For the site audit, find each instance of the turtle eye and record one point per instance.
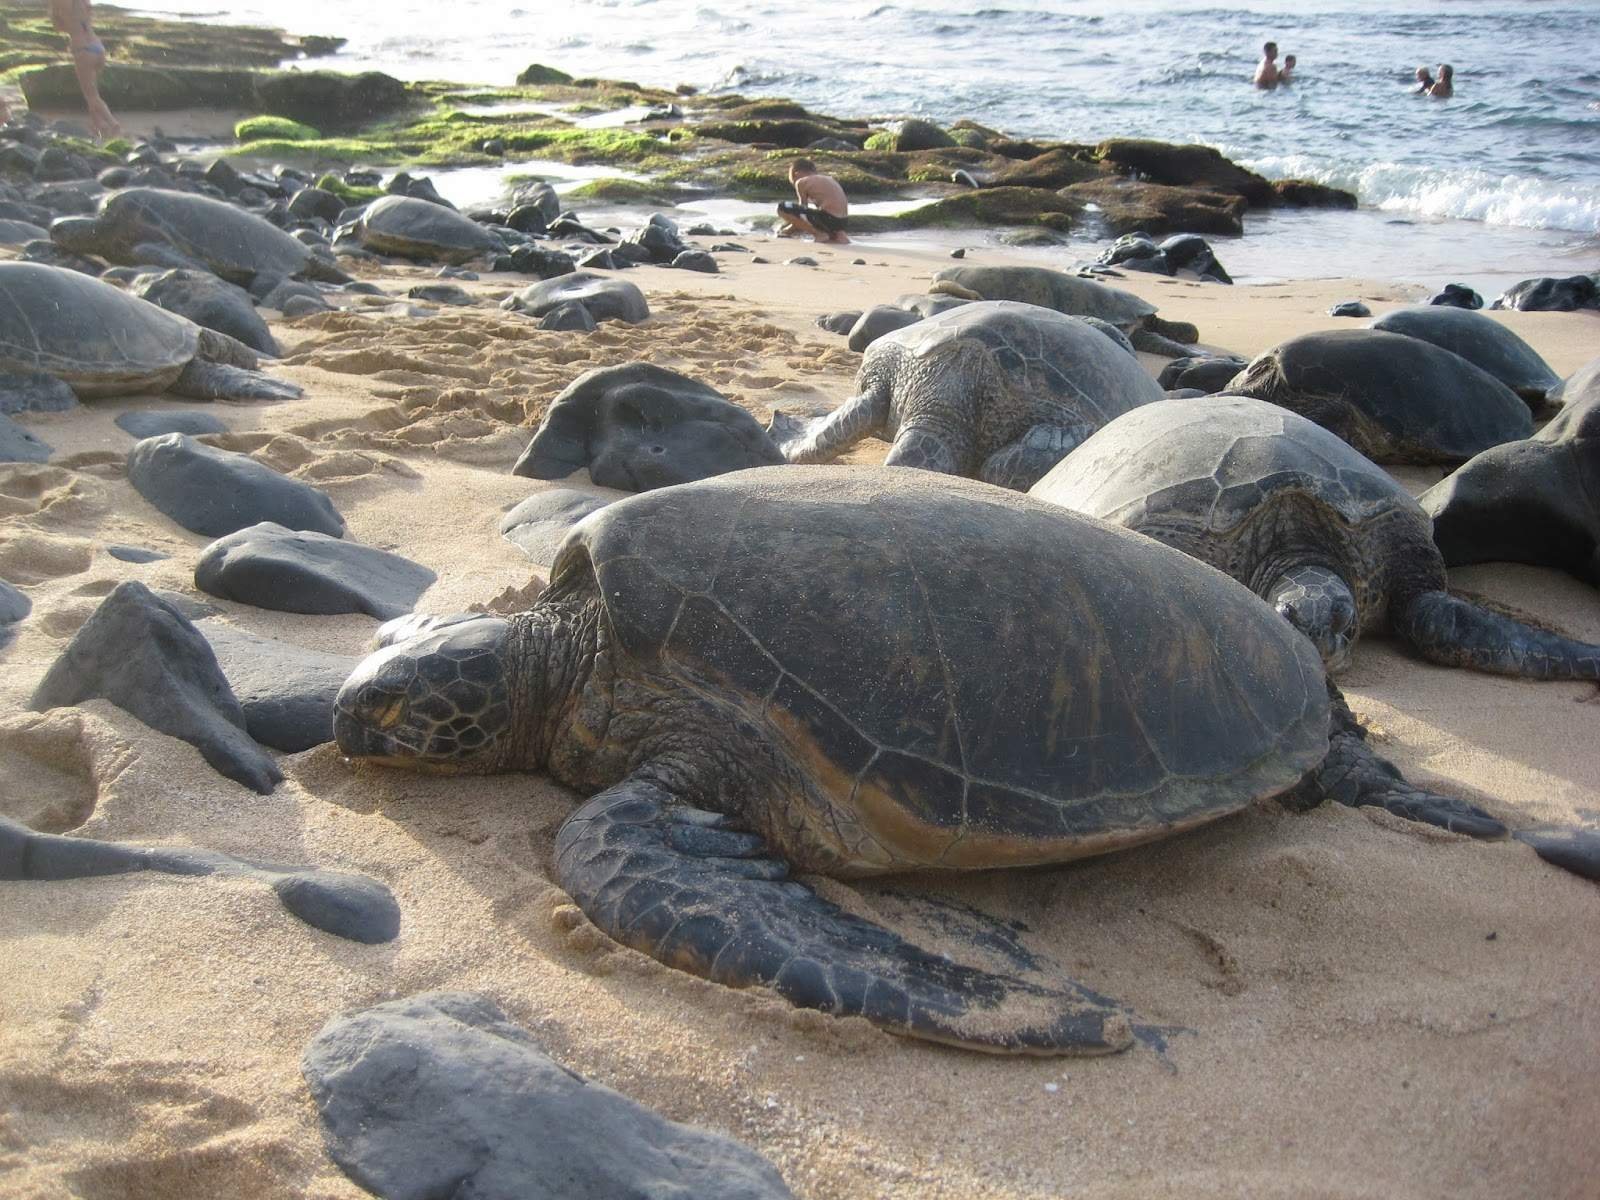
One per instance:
(387, 715)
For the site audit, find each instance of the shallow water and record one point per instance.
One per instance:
(1517, 149)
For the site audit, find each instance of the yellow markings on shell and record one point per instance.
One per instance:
(389, 715)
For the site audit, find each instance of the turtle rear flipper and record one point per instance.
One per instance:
(1449, 630)
(1354, 775)
(215, 381)
(682, 886)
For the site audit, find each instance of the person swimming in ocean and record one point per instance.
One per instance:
(1267, 68)
(1287, 74)
(1443, 88)
(88, 60)
(819, 207)
(1424, 82)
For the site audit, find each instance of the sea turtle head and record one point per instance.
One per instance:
(441, 697)
(1318, 603)
(81, 235)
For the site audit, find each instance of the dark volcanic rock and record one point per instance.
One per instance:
(1456, 295)
(1127, 205)
(1350, 308)
(839, 322)
(1206, 374)
(213, 492)
(290, 570)
(606, 299)
(538, 525)
(639, 426)
(15, 605)
(1184, 166)
(135, 554)
(1302, 193)
(18, 445)
(154, 424)
(338, 902)
(34, 392)
(143, 655)
(1552, 295)
(695, 260)
(570, 317)
(314, 202)
(329, 100)
(208, 301)
(441, 1095)
(127, 87)
(16, 233)
(286, 691)
(877, 321)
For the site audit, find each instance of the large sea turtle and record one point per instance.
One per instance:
(1534, 501)
(855, 671)
(993, 390)
(1304, 521)
(156, 227)
(419, 229)
(1396, 399)
(1078, 297)
(103, 342)
(1481, 340)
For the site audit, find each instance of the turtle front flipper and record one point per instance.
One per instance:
(682, 886)
(1455, 633)
(214, 381)
(827, 437)
(1354, 775)
(1024, 462)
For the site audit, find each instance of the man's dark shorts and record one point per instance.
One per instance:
(820, 219)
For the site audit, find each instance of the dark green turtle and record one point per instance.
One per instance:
(1077, 297)
(420, 229)
(100, 341)
(1482, 341)
(991, 390)
(854, 671)
(1534, 501)
(152, 226)
(1300, 518)
(1397, 399)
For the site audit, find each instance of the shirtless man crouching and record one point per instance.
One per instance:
(819, 207)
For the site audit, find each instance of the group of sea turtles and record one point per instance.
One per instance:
(853, 671)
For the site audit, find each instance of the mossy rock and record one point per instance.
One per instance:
(969, 137)
(1127, 205)
(936, 166)
(988, 206)
(328, 99)
(1183, 166)
(536, 74)
(621, 191)
(1303, 193)
(255, 129)
(1057, 168)
(753, 175)
(128, 88)
(347, 192)
(790, 134)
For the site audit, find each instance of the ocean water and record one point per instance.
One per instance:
(1517, 149)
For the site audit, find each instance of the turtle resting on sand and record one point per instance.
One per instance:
(1304, 521)
(1078, 297)
(1482, 341)
(154, 227)
(992, 390)
(1534, 501)
(1396, 399)
(855, 671)
(425, 231)
(100, 341)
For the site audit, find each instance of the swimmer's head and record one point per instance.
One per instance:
(1445, 71)
(1423, 75)
(1288, 60)
(1270, 50)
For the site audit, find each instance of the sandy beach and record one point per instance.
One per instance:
(1357, 1006)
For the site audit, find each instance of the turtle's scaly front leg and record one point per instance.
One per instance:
(682, 886)
(828, 437)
